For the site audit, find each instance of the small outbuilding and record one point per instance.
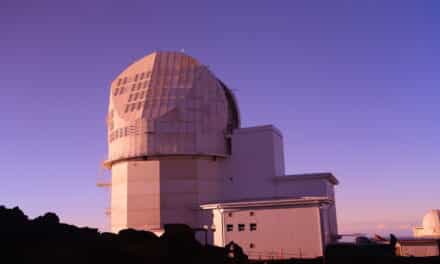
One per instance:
(417, 247)
(430, 225)
(275, 228)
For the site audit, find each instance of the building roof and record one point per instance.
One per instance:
(261, 128)
(274, 202)
(309, 176)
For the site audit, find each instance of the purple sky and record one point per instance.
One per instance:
(353, 85)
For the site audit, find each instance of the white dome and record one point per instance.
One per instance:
(431, 221)
(168, 104)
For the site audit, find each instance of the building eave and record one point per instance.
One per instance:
(309, 176)
(276, 202)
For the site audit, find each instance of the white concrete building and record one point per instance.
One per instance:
(276, 228)
(430, 225)
(178, 154)
(417, 247)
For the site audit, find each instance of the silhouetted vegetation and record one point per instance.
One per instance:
(46, 240)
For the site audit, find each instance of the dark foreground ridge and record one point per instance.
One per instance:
(46, 240)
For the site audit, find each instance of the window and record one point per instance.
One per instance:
(119, 81)
(149, 74)
(251, 214)
(136, 96)
(251, 245)
(126, 108)
(142, 75)
(145, 84)
(130, 97)
(253, 227)
(229, 228)
(125, 80)
(230, 214)
(121, 90)
(142, 95)
(240, 227)
(133, 106)
(133, 87)
(139, 85)
(139, 105)
(116, 91)
(136, 78)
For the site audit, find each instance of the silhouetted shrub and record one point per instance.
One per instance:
(46, 240)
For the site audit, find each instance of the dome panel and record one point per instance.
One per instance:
(168, 104)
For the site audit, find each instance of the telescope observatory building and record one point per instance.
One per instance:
(178, 154)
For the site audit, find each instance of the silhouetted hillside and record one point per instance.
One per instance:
(46, 240)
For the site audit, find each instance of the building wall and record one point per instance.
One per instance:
(118, 202)
(332, 216)
(280, 232)
(148, 194)
(185, 184)
(418, 249)
(135, 195)
(257, 157)
(292, 186)
(218, 223)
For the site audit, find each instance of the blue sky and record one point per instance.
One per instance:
(353, 86)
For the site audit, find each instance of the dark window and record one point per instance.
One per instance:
(229, 227)
(240, 227)
(119, 81)
(116, 91)
(133, 87)
(252, 245)
(230, 214)
(251, 214)
(125, 80)
(136, 96)
(139, 105)
(121, 90)
(127, 107)
(142, 75)
(139, 85)
(130, 97)
(133, 106)
(253, 226)
(136, 78)
(229, 145)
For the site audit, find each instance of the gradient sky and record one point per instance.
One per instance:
(353, 85)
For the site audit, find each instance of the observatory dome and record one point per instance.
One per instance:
(167, 103)
(431, 221)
